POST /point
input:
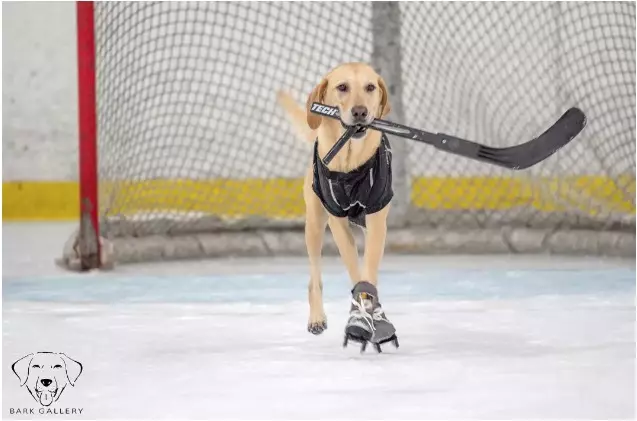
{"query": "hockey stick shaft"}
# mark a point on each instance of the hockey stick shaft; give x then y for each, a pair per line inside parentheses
(515, 157)
(339, 144)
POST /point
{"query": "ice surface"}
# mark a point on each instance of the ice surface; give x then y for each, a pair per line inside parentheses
(481, 337)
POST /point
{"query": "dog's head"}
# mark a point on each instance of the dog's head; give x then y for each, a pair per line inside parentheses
(357, 90)
(46, 374)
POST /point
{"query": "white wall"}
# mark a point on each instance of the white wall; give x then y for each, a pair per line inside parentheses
(237, 128)
(39, 93)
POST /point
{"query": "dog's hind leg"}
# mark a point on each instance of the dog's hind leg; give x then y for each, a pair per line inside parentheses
(315, 223)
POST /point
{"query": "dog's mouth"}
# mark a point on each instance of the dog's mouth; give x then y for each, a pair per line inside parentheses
(362, 130)
(46, 397)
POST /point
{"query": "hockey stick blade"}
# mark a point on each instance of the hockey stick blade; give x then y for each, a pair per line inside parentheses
(522, 156)
(518, 157)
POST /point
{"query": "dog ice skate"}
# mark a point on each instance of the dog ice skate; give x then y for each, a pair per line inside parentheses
(367, 321)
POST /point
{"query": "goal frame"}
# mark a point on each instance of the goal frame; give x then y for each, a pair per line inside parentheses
(90, 248)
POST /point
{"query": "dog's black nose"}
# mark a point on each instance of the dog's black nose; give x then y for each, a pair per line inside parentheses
(46, 382)
(359, 113)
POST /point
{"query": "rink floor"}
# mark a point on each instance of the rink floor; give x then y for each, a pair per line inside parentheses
(481, 337)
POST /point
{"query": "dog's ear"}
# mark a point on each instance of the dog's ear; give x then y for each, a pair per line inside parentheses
(21, 368)
(73, 368)
(317, 95)
(384, 107)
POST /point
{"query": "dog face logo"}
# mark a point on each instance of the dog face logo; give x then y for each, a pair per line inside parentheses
(46, 375)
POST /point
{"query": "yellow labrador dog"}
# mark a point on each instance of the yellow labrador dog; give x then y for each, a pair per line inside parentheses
(355, 188)
(46, 375)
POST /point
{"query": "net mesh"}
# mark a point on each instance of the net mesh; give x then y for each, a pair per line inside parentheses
(501, 73)
(191, 139)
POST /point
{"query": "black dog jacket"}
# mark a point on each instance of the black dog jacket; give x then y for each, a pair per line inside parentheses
(354, 194)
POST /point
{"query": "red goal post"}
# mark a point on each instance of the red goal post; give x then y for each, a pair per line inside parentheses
(89, 247)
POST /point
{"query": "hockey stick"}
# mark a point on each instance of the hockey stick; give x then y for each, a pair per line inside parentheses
(518, 157)
(339, 144)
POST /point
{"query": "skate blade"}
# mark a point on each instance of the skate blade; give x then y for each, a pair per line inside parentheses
(393, 339)
(357, 334)
(357, 339)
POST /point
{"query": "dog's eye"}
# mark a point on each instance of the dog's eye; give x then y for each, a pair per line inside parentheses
(370, 88)
(342, 87)
(57, 366)
(35, 366)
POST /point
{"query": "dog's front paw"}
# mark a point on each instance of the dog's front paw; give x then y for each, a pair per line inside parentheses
(317, 327)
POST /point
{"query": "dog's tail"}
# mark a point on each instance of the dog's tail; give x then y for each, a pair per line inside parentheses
(297, 116)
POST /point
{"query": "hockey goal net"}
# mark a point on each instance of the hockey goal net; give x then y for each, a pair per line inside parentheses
(184, 153)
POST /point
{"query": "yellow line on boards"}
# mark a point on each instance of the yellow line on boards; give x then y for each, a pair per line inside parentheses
(281, 198)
